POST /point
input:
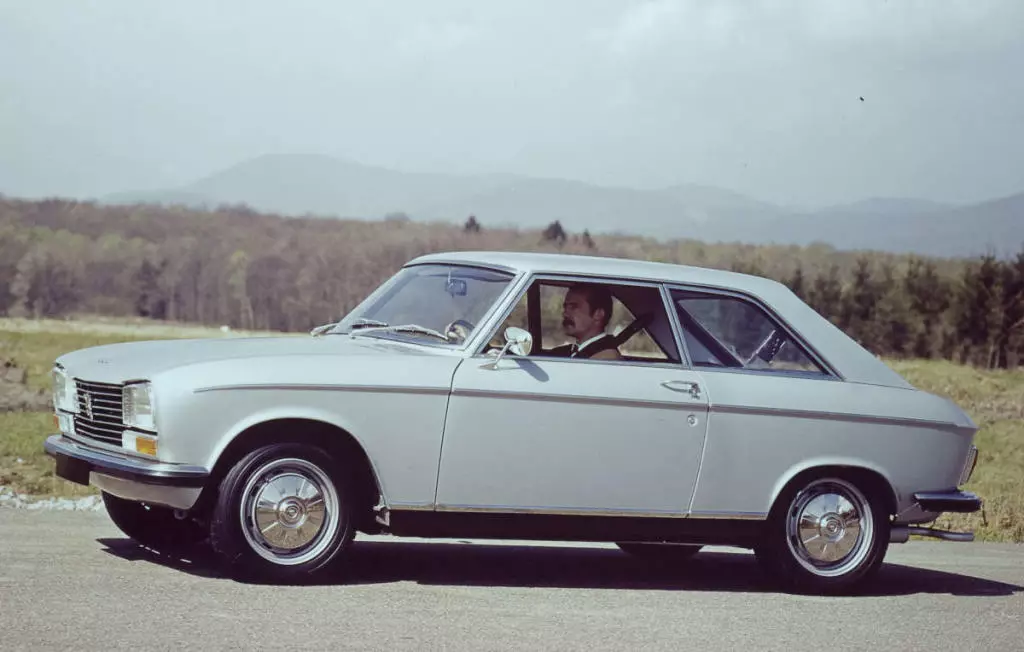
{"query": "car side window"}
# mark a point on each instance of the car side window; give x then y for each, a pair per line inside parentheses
(638, 321)
(730, 332)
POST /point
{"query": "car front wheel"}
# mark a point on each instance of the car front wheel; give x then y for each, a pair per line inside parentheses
(282, 513)
(826, 535)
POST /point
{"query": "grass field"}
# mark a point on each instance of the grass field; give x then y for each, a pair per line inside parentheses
(994, 399)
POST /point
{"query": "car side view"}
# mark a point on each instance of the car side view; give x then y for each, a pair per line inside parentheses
(510, 395)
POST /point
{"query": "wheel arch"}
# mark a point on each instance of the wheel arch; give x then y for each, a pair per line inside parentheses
(337, 441)
(854, 470)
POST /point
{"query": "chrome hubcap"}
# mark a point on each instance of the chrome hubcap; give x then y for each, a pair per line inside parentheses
(289, 511)
(830, 527)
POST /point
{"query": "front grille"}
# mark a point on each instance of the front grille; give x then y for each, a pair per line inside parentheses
(100, 412)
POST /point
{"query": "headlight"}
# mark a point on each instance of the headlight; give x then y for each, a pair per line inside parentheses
(138, 406)
(65, 396)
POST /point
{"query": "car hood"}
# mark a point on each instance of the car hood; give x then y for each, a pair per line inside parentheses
(137, 360)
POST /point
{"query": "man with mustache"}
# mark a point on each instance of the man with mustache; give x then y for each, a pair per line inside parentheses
(586, 311)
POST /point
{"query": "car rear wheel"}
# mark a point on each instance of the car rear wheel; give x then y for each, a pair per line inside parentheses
(827, 534)
(153, 526)
(282, 513)
(660, 552)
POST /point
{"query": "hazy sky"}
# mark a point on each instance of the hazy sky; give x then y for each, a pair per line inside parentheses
(758, 97)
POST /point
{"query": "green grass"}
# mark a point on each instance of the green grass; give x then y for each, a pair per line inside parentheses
(33, 344)
(24, 467)
(994, 399)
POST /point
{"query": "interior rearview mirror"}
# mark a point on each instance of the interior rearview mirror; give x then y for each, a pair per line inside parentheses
(457, 287)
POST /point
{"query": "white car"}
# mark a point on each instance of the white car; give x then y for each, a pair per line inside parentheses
(718, 409)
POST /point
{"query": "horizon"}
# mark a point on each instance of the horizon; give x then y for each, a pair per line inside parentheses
(794, 207)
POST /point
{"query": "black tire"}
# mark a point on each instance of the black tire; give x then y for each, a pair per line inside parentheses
(153, 526)
(660, 552)
(803, 561)
(304, 526)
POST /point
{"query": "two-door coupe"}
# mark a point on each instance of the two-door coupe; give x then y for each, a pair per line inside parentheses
(452, 402)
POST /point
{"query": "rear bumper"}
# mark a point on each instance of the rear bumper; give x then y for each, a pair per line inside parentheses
(173, 485)
(927, 506)
(948, 501)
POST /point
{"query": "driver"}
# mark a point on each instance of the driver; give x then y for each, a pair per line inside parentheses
(586, 311)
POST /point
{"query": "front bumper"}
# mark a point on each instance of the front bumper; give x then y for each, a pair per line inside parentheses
(172, 485)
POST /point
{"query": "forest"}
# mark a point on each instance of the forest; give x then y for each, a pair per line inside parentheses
(234, 266)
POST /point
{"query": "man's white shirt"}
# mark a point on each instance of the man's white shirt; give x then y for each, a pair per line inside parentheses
(577, 347)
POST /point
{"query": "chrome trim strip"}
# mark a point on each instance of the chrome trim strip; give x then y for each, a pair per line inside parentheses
(582, 400)
(551, 511)
(556, 511)
(733, 516)
(838, 416)
(325, 388)
(487, 329)
(439, 260)
(409, 507)
(533, 276)
(676, 326)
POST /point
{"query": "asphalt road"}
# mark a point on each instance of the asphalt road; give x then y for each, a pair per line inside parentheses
(70, 580)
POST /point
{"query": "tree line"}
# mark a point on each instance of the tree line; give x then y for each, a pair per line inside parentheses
(250, 270)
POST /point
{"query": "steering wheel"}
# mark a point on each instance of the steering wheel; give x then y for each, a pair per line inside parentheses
(459, 330)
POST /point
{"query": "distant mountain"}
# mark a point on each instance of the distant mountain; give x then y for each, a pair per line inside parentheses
(327, 186)
(888, 206)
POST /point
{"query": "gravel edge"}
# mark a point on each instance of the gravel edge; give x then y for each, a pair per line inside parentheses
(9, 499)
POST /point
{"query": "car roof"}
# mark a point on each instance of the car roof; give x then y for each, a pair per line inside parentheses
(628, 268)
(850, 359)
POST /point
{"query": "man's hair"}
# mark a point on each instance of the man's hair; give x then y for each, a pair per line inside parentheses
(599, 297)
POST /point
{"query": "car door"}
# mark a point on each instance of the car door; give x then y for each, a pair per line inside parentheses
(775, 405)
(570, 436)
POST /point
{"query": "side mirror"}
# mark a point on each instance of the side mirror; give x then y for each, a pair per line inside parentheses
(518, 341)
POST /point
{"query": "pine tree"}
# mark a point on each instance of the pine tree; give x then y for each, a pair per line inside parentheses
(1010, 339)
(826, 295)
(929, 299)
(977, 314)
(555, 233)
(891, 334)
(797, 283)
(858, 305)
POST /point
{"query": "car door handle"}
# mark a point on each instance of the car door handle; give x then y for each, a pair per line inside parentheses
(688, 386)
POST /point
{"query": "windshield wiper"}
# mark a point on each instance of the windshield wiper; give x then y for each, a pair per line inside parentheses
(362, 322)
(402, 328)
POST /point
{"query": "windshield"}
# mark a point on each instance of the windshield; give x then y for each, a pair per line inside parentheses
(449, 300)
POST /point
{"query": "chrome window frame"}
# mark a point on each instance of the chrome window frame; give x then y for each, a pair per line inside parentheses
(529, 278)
(828, 371)
(482, 326)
